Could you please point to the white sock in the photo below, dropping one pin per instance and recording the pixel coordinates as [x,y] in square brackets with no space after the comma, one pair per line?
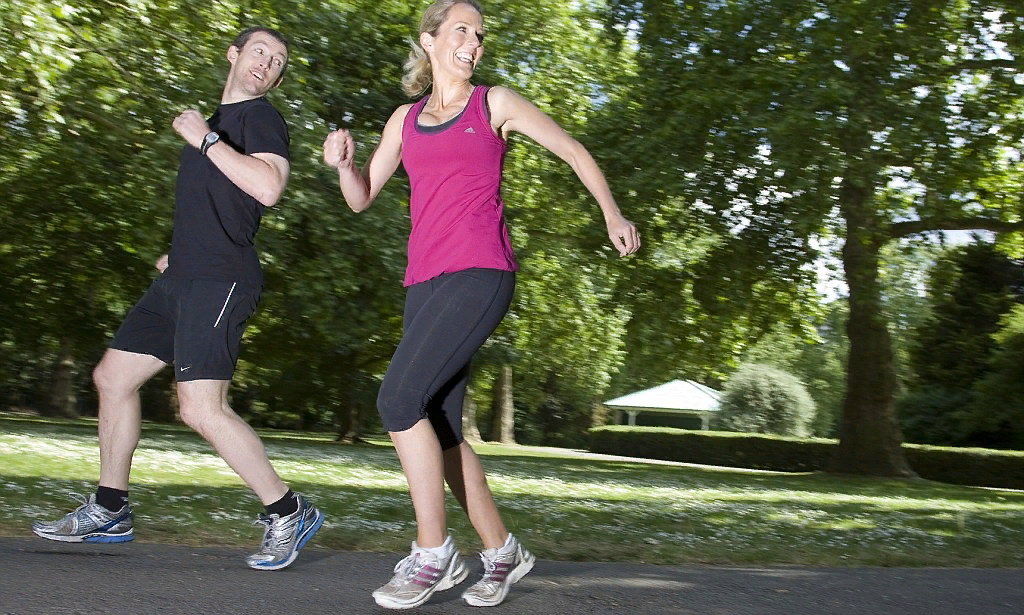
[444,551]
[508,547]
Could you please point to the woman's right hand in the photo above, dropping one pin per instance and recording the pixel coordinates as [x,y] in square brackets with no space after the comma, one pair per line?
[339,149]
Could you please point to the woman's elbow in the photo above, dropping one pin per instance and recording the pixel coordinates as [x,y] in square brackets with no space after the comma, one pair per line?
[358,207]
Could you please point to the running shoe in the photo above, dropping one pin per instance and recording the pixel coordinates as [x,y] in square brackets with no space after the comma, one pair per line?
[90,522]
[501,570]
[418,576]
[284,536]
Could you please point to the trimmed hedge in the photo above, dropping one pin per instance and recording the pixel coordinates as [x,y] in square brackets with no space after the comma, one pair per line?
[960,466]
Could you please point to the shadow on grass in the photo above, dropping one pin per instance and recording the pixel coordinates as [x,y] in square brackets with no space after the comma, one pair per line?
[589,509]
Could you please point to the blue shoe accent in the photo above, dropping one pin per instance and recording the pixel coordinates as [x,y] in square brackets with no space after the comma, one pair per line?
[284,536]
[90,522]
[312,530]
[108,539]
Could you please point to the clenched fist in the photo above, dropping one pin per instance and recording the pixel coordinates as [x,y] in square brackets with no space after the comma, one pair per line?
[339,149]
[192,127]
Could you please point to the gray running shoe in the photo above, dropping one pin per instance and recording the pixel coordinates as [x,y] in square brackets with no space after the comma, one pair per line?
[418,576]
[500,572]
[90,522]
[284,536]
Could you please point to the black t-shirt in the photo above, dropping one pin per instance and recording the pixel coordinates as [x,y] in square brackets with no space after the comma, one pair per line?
[215,222]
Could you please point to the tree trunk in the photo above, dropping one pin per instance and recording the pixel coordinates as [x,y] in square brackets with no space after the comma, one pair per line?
[350,424]
[598,414]
[63,401]
[503,422]
[470,431]
[869,436]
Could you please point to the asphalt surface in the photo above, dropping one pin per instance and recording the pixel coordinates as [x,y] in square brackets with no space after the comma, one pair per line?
[38,576]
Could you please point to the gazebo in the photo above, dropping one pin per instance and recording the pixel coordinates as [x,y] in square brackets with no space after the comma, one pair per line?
[678,397]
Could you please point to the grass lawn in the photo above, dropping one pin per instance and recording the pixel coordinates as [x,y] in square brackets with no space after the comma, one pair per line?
[561,505]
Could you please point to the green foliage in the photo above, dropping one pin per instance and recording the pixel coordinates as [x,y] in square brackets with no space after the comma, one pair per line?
[766,400]
[960,466]
[963,352]
[816,359]
[933,414]
[997,416]
[783,125]
[970,288]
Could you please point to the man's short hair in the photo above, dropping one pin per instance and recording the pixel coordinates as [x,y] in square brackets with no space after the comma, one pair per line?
[244,36]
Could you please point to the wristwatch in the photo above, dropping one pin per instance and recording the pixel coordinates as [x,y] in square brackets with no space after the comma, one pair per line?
[210,138]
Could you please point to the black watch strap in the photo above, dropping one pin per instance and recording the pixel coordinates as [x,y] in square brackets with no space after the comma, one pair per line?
[208,141]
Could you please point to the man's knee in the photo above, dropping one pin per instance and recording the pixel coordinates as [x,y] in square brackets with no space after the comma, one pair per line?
[109,380]
[194,414]
[199,403]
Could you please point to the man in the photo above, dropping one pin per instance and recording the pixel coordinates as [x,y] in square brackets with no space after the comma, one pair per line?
[194,314]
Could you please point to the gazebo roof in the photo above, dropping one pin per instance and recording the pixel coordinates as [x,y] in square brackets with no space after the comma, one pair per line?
[674,396]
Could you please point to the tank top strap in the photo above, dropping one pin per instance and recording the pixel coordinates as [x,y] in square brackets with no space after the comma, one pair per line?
[478,103]
[414,113]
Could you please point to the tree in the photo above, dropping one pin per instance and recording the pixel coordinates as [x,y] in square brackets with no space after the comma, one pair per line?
[786,122]
[997,418]
[971,291]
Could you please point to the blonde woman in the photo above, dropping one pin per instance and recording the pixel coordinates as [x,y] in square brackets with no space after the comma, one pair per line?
[460,280]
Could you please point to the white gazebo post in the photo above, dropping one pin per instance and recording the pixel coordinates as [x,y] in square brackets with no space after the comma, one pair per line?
[632,417]
[705,421]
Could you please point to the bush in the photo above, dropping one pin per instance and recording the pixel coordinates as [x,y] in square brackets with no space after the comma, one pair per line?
[933,415]
[766,400]
[961,466]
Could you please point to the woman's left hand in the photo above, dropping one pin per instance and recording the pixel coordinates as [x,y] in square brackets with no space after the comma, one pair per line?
[624,235]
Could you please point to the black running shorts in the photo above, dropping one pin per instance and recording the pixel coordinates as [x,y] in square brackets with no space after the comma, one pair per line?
[196,325]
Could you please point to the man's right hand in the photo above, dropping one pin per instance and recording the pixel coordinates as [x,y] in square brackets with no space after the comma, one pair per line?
[161,263]
[191,126]
[339,149]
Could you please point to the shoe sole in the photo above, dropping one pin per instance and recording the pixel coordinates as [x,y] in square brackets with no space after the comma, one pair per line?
[459,576]
[104,538]
[303,539]
[513,577]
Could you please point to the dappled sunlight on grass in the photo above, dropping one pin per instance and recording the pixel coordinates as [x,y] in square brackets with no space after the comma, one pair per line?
[564,507]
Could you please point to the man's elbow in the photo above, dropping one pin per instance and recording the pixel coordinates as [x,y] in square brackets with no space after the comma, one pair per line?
[270,196]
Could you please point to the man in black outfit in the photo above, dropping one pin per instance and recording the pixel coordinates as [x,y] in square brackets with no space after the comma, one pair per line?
[192,317]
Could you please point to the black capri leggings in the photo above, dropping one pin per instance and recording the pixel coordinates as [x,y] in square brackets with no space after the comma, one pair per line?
[446,320]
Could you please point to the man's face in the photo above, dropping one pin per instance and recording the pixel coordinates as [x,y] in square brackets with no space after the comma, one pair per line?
[256,68]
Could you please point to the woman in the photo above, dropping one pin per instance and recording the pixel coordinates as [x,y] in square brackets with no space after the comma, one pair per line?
[460,279]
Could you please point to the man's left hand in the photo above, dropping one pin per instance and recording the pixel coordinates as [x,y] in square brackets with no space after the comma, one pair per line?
[192,127]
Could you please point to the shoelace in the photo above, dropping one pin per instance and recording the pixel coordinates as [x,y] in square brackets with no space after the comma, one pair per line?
[490,565]
[411,564]
[407,564]
[272,539]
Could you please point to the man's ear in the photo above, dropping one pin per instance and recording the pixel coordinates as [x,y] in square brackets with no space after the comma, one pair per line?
[232,53]
[277,83]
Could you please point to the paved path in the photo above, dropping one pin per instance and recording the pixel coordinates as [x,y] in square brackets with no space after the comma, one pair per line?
[37,577]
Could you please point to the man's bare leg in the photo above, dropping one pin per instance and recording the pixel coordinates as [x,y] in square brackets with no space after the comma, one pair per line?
[118,378]
[203,405]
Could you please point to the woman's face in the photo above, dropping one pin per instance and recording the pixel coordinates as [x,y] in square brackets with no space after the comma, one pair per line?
[458,45]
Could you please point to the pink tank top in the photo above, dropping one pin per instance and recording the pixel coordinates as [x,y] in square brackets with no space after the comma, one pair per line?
[456,208]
